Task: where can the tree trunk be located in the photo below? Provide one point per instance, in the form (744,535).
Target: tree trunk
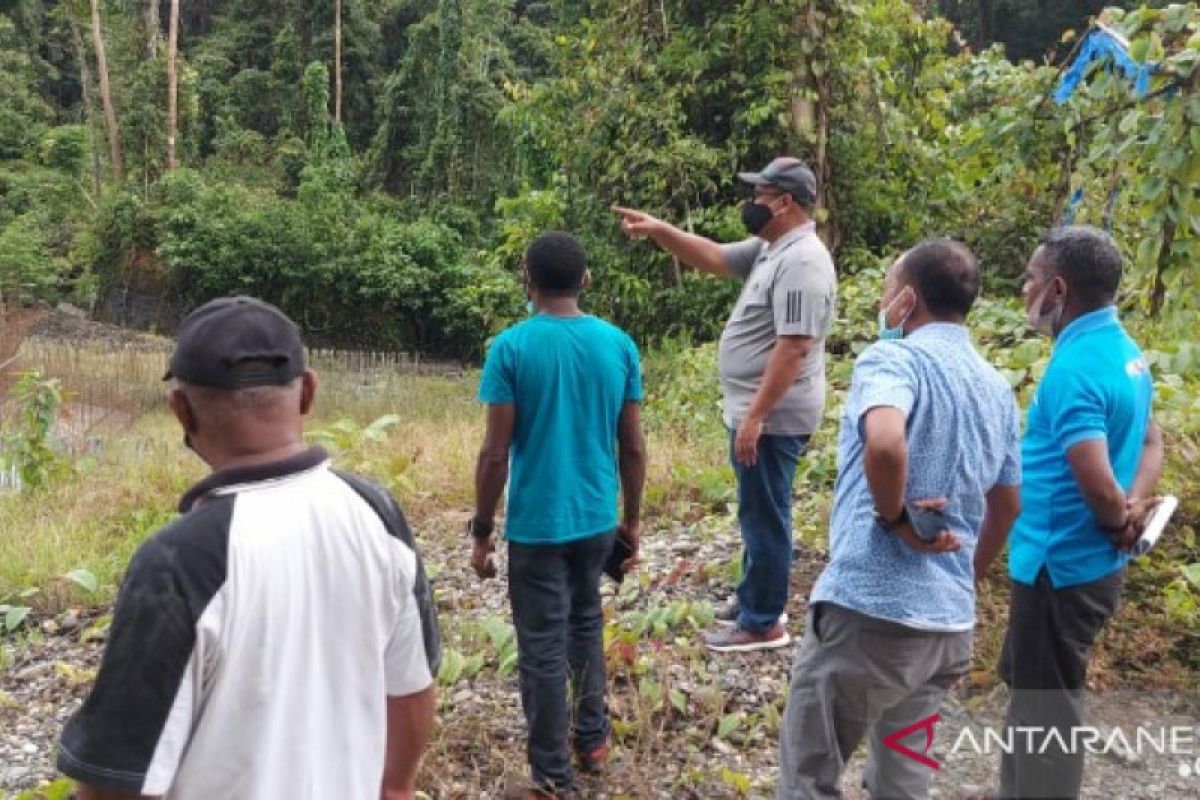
(1158,295)
(172,84)
(153,25)
(986,23)
(811,121)
(110,113)
(89,106)
(337,61)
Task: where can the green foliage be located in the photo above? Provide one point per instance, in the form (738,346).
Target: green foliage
(23,112)
(28,271)
(1138,160)
(26,438)
(63,148)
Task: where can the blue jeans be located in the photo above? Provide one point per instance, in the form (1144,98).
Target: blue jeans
(555,595)
(765,517)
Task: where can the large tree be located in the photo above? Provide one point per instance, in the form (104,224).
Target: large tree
(172,84)
(110,112)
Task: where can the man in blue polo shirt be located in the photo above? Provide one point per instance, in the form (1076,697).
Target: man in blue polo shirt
(1091,457)
(563,391)
(926,422)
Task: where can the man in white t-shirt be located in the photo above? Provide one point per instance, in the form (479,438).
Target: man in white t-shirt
(278,639)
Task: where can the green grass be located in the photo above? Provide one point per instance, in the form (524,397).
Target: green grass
(128,486)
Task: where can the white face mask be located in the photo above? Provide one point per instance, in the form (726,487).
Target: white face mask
(891,333)
(1045,323)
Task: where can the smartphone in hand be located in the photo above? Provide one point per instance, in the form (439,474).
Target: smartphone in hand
(928,523)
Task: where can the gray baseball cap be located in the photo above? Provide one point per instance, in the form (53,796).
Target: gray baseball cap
(788,174)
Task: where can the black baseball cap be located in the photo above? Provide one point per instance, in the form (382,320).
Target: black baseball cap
(788,174)
(234,343)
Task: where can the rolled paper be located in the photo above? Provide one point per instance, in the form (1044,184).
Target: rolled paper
(1157,524)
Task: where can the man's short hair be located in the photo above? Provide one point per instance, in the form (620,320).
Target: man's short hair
(222,403)
(1087,259)
(556,262)
(944,274)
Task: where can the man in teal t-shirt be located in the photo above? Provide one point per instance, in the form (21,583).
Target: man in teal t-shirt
(563,429)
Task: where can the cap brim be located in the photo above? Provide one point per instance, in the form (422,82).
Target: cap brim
(753,178)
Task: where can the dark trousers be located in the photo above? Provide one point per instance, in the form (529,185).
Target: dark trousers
(1044,662)
(764,492)
(555,595)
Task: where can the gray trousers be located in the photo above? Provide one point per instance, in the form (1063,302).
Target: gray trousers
(856,676)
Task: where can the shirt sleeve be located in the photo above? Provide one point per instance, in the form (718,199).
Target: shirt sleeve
(883,378)
(1074,404)
(740,256)
(407,667)
(136,723)
(633,380)
(1010,468)
(497,385)
(802,299)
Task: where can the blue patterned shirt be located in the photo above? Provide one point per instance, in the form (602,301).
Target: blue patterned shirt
(963,431)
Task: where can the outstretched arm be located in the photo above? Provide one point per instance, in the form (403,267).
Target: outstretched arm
(694,250)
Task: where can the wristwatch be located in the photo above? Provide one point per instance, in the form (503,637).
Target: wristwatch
(479,530)
(890,525)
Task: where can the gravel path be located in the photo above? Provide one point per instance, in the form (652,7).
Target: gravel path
(663,752)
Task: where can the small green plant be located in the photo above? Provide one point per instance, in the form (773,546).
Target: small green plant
(346,434)
(14,611)
(1183,595)
(60,789)
(359,445)
(25,444)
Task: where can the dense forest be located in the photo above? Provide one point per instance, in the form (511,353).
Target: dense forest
(377,167)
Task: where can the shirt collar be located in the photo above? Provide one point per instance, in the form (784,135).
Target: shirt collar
(1093,320)
(800,231)
(301,462)
(940,330)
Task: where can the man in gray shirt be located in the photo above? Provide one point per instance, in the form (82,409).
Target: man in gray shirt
(772,371)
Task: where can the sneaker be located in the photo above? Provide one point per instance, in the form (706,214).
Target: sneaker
(592,762)
(740,640)
(728,613)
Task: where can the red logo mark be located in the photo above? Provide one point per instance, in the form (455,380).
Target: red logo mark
(926,725)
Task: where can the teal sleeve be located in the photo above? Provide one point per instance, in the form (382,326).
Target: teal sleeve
(497,385)
(1074,405)
(633,379)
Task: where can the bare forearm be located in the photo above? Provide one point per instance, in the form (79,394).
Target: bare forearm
(1107,505)
(692,249)
(1097,483)
(1003,506)
(886,467)
(1150,467)
(783,367)
(632,465)
(410,726)
(491,473)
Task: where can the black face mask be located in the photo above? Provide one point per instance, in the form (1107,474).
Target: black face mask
(755,217)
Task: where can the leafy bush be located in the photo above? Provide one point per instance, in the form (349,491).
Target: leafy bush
(25,440)
(28,270)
